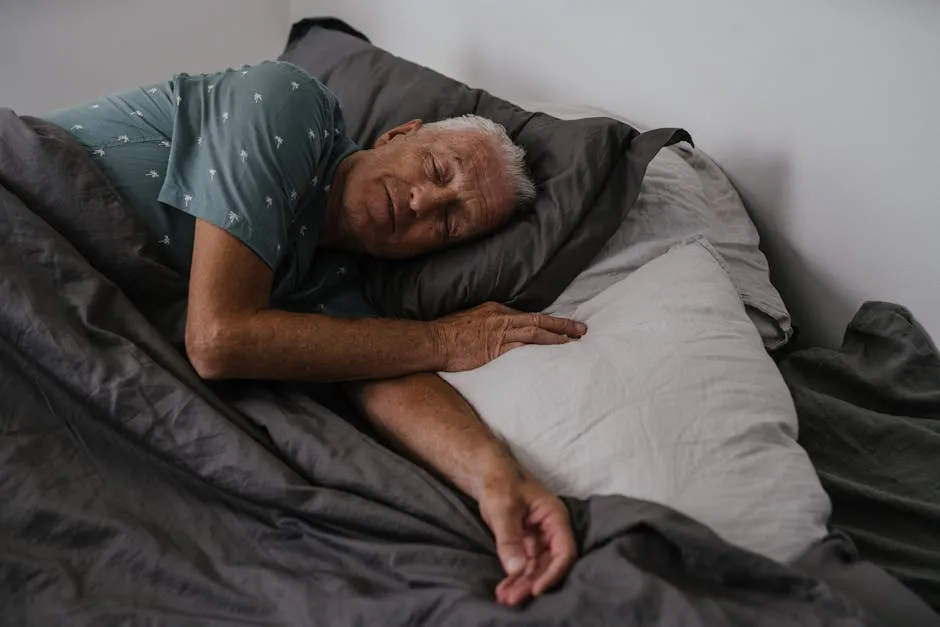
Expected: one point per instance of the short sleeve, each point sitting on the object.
(248, 146)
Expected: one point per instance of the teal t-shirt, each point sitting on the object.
(251, 150)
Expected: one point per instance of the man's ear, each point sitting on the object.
(405, 129)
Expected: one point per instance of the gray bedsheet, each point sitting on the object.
(133, 493)
(870, 421)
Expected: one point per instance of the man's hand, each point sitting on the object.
(432, 421)
(469, 339)
(533, 535)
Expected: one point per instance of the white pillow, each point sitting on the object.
(670, 397)
(684, 193)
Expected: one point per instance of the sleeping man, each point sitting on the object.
(243, 175)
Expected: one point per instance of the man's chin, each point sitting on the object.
(388, 248)
(382, 252)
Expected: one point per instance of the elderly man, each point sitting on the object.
(248, 183)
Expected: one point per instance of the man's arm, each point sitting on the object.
(433, 422)
(231, 333)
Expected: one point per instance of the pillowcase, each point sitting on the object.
(669, 397)
(587, 171)
(684, 193)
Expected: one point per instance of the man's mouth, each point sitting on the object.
(391, 207)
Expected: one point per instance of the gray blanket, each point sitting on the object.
(133, 493)
(870, 420)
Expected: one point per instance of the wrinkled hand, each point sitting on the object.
(469, 339)
(533, 536)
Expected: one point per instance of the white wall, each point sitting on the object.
(824, 113)
(55, 53)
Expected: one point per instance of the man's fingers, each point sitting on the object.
(563, 551)
(562, 326)
(534, 335)
(504, 586)
(556, 568)
(505, 518)
(531, 545)
(542, 571)
(514, 590)
(555, 324)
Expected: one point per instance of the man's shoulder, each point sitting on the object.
(268, 79)
(297, 78)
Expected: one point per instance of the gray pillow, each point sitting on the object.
(685, 194)
(588, 174)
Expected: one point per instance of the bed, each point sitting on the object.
(134, 493)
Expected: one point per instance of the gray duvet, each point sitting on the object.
(870, 420)
(133, 493)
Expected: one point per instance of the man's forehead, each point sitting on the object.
(462, 143)
(478, 161)
(478, 158)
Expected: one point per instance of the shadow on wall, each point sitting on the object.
(802, 282)
(767, 197)
(767, 169)
(501, 80)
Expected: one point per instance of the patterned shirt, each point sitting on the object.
(252, 151)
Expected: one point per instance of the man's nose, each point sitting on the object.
(427, 198)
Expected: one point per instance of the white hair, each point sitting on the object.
(513, 154)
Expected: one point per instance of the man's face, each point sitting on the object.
(422, 190)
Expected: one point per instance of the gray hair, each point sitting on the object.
(513, 154)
